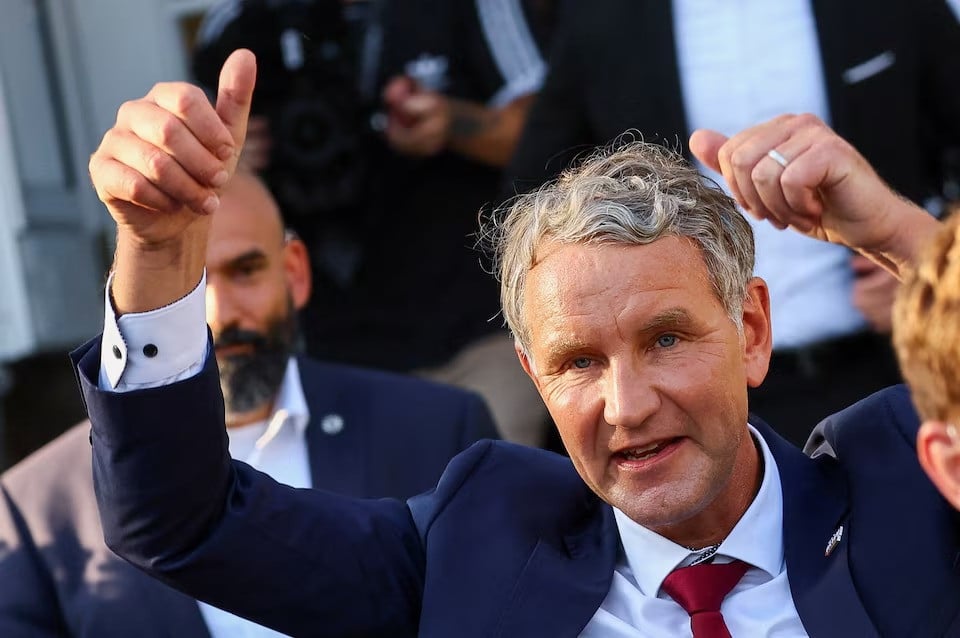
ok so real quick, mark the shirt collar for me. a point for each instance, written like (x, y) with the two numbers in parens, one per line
(757, 538)
(290, 397)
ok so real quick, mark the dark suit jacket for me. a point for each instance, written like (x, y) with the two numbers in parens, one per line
(58, 578)
(510, 543)
(614, 67)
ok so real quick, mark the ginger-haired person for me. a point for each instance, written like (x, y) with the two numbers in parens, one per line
(926, 334)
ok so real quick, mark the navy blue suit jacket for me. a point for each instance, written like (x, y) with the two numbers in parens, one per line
(58, 578)
(510, 542)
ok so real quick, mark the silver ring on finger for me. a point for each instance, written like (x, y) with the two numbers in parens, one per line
(777, 157)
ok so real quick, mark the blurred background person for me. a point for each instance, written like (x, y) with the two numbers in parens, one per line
(882, 73)
(382, 128)
(306, 423)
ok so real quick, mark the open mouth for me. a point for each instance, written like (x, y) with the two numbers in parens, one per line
(648, 452)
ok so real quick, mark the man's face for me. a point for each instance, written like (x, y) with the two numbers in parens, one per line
(252, 362)
(251, 305)
(646, 376)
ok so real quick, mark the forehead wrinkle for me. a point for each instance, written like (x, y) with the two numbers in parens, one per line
(554, 290)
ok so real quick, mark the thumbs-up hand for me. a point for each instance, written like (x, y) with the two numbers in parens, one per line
(158, 171)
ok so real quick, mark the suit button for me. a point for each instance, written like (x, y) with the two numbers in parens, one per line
(116, 352)
(150, 350)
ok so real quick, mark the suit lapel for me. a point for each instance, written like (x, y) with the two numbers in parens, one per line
(816, 534)
(564, 582)
(337, 457)
(659, 39)
(832, 35)
(649, 99)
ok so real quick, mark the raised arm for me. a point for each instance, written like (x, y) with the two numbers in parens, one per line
(171, 500)
(423, 123)
(794, 171)
(157, 171)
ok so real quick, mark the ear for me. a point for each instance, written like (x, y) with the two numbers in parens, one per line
(938, 449)
(296, 268)
(526, 363)
(757, 335)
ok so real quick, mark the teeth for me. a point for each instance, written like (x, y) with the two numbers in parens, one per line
(642, 452)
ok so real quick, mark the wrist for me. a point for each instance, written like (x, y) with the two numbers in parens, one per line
(152, 274)
(914, 229)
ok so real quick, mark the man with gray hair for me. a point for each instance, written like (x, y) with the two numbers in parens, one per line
(599, 203)
(882, 73)
(628, 285)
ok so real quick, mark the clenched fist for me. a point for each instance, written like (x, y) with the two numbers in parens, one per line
(795, 171)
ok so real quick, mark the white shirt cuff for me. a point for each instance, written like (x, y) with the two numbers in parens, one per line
(159, 347)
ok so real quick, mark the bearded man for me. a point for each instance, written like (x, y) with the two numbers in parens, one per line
(306, 423)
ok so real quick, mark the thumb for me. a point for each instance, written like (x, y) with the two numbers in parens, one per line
(235, 93)
(705, 146)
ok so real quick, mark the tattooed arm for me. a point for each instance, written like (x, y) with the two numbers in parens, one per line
(424, 123)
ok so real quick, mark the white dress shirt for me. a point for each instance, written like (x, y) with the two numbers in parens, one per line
(513, 49)
(149, 349)
(278, 447)
(170, 343)
(759, 605)
(743, 62)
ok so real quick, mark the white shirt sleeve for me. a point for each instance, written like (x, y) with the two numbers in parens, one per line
(159, 347)
(955, 5)
(513, 48)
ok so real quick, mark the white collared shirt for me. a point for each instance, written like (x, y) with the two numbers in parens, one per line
(759, 605)
(284, 457)
(176, 338)
(743, 62)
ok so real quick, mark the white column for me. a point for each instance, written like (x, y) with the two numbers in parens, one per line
(16, 336)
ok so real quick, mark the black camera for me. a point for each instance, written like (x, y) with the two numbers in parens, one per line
(308, 87)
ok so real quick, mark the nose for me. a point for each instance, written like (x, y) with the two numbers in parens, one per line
(630, 396)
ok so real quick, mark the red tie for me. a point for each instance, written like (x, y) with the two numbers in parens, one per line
(700, 589)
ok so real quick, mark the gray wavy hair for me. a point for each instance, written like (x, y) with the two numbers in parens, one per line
(633, 194)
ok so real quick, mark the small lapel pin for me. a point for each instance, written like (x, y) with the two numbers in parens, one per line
(332, 424)
(834, 541)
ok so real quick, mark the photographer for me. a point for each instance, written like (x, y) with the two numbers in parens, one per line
(441, 88)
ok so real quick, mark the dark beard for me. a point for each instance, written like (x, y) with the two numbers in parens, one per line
(250, 380)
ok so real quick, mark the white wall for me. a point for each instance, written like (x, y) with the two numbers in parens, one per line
(16, 338)
(126, 46)
(65, 68)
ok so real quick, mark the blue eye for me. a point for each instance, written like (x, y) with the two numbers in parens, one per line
(667, 341)
(581, 363)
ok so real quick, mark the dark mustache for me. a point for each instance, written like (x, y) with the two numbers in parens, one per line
(239, 337)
